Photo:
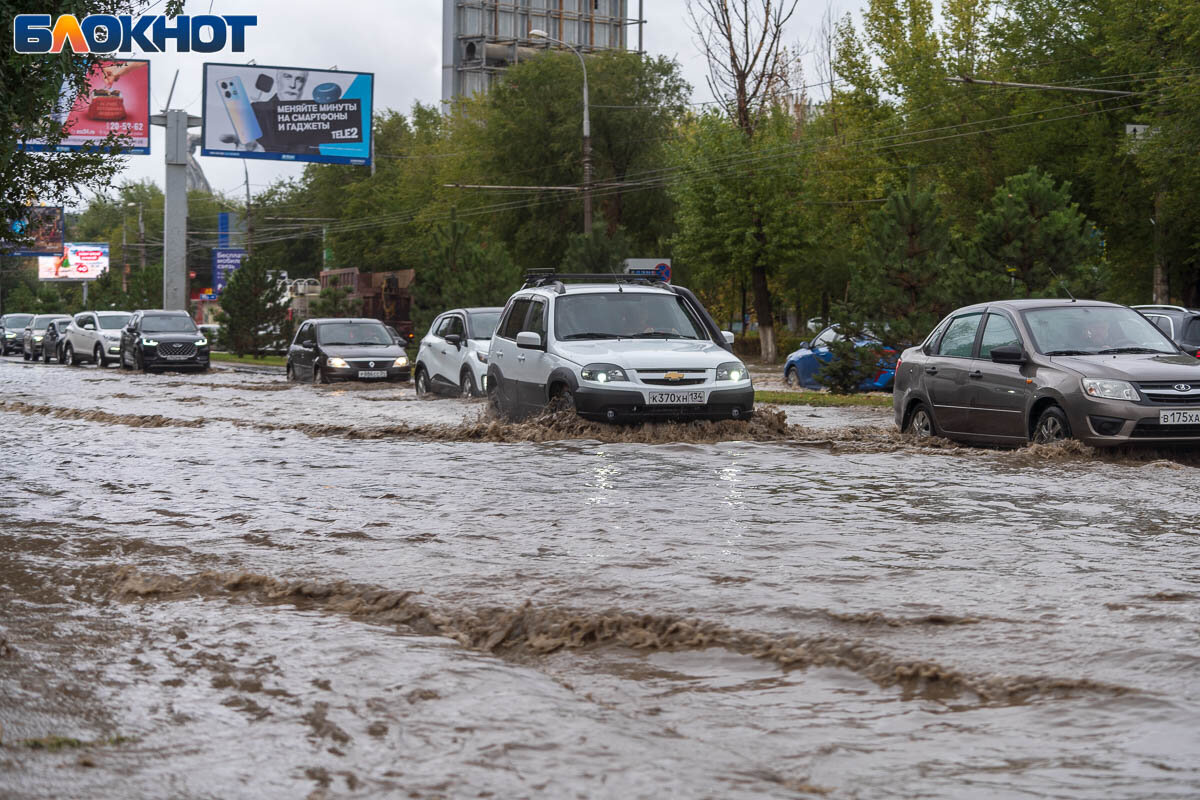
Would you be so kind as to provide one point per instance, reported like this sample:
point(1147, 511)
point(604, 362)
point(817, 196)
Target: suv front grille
point(177, 349)
point(656, 377)
point(1166, 393)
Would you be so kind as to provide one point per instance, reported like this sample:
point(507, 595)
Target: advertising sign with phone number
point(287, 114)
point(117, 100)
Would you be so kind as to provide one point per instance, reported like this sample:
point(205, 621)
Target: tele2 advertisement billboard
point(287, 114)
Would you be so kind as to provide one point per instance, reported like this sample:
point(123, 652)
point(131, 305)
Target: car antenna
point(1063, 284)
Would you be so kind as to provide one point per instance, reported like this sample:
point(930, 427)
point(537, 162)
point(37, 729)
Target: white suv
point(453, 356)
point(94, 336)
point(617, 348)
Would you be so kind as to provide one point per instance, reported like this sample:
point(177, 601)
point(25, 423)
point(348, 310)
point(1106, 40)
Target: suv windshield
point(110, 322)
point(1094, 330)
point(176, 323)
point(624, 315)
point(42, 321)
point(483, 325)
point(353, 333)
point(16, 320)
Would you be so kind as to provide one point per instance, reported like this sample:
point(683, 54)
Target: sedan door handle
point(931, 370)
point(975, 374)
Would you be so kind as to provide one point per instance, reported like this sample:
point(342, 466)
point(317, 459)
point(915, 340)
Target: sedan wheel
point(1052, 426)
point(920, 423)
point(45, 354)
point(792, 378)
point(291, 373)
point(318, 376)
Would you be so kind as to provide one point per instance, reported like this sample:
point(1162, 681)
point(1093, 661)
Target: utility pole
point(175, 210)
point(249, 216)
point(141, 240)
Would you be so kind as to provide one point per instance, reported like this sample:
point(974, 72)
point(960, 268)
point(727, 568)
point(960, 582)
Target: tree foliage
point(253, 310)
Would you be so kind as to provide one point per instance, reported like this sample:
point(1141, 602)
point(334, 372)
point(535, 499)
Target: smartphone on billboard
point(237, 105)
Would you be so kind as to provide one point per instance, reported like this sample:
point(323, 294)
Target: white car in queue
point(616, 348)
point(453, 356)
point(94, 336)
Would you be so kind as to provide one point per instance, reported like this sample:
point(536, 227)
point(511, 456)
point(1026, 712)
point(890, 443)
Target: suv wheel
point(69, 355)
point(1052, 426)
point(562, 400)
point(291, 373)
point(466, 384)
point(99, 357)
point(422, 382)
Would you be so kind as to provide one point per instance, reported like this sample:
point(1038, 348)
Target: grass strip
point(264, 361)
point(823, 399)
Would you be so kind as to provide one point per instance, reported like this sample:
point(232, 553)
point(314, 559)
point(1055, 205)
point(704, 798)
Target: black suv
point(1181, 324)
point(155, 339)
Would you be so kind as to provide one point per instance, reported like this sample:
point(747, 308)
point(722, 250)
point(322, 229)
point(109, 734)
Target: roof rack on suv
point(548, 277)
point(1161, 307)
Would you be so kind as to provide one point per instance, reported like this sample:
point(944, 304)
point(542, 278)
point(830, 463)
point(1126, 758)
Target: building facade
point(481, 38)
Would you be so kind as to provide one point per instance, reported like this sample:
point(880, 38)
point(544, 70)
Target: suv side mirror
point(1008, 354)
point(728, 336)
point(455, 339)
point(87, 326)
point(529, 340)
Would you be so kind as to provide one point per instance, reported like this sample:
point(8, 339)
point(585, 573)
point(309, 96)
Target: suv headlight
point(337, 363)
point(603, 373)
point(402, 361)
point(201, 342)
point(732, 371)
point(37, 338)
point(149, 342)
point(1110, 390)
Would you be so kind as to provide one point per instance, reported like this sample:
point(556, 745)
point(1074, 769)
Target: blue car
point(800, 369)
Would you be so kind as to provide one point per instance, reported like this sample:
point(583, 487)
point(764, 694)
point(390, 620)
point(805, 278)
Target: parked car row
point(147, 340)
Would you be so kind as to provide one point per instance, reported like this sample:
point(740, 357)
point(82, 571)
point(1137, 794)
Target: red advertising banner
point(117, 100)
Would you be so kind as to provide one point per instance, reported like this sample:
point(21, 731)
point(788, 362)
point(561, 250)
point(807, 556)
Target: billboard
point(287, 114)
point(225, 261)
point(43, 225)
point(79, 261)
point(117, 100)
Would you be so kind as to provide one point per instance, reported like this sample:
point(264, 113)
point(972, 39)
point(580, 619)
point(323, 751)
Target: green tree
point(28, 101)
point(598, 252)
point(1034, 234)
point(253, 309)
point(908, 277)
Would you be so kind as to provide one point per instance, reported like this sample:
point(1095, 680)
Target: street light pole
point(587, 131)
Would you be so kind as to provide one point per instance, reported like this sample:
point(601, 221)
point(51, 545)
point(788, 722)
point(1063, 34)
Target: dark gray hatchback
point(1041, 370)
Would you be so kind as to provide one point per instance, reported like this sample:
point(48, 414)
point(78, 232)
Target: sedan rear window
point(960, 336)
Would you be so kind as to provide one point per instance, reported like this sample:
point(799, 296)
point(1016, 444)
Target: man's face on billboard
point(289, 84)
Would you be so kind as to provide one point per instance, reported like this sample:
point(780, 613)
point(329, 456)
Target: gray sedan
point(1041, 370)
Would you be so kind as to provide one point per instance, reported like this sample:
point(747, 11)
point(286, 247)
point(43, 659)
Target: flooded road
point(224, 585)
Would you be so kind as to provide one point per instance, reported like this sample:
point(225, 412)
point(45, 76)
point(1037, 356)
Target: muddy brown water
point(225, 586)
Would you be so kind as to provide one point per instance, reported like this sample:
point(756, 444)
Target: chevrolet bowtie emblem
point(673, 376)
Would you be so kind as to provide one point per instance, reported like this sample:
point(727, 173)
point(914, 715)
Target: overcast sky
point(399, 41)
